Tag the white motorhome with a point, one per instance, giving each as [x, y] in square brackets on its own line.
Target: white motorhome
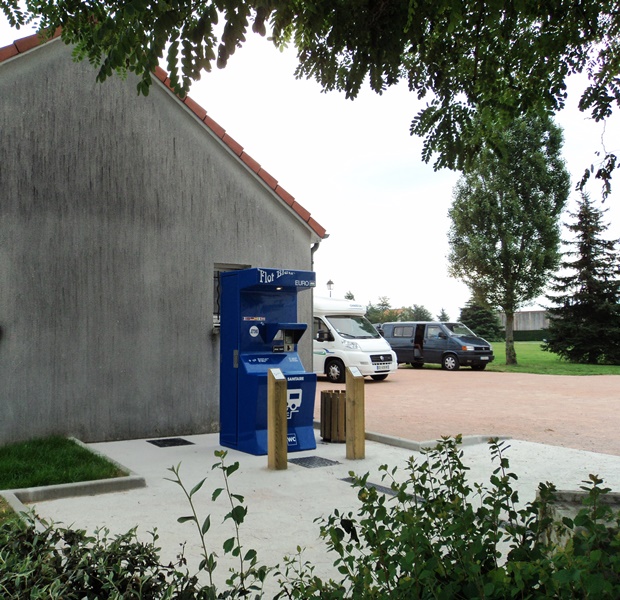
[344, 337]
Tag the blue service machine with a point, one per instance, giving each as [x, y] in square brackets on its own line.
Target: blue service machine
[258, 332]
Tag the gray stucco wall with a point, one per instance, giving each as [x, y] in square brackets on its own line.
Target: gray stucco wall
[114, 209]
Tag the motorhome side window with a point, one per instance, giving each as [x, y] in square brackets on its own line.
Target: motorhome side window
[402, 331]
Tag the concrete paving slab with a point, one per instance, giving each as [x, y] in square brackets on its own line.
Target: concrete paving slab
[283, 505]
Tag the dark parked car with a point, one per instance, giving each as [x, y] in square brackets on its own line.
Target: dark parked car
[451, 345]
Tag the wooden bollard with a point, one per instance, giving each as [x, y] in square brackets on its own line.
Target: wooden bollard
[277, 426]
[355, 418]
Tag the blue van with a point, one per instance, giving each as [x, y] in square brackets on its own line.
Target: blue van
[451, 345]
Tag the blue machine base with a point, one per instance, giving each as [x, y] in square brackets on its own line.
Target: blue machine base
[299, 440]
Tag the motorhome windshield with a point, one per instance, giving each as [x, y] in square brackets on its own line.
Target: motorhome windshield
[353, 327]
[459, 329]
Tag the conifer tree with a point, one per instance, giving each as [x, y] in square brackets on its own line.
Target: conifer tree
[443, 316]
[482, 320]
[584, 324]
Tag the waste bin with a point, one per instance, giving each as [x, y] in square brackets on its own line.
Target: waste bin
[333, 415]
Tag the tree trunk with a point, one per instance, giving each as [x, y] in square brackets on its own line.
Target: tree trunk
[511, 355]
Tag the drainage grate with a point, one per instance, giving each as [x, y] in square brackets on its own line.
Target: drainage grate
[380, 488]
[169, 442]
[311, 462]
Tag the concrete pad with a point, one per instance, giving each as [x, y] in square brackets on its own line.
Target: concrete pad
[282, 505]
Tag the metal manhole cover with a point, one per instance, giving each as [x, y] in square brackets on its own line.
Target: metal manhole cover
[311, 462]
[169, 442]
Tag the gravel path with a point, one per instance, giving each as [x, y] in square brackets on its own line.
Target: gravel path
[574, 412]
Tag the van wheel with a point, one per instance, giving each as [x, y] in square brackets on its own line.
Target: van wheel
[378, 377]
[417, 365]
[450, 362]
[334, 369]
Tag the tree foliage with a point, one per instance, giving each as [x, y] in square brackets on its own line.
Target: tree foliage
[382, 312]
[416, 312]
[505, 235]
[584, 324]
[13, 12]
[474, 62]
[443, 316]
[483, 320]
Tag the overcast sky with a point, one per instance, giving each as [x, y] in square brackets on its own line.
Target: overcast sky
[355, 167]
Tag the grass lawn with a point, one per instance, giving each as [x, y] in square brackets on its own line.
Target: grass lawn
[51, 461]
[532, 359]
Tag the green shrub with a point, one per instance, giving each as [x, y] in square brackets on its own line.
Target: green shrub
[440, 537]
[6, 512]
[41, 561]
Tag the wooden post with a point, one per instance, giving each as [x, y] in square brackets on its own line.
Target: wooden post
[277, 443]
[356, 420]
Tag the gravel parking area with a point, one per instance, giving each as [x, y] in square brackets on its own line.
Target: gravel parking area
[425, 404]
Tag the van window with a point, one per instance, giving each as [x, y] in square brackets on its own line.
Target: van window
[459, 329]
[350, 326]
[403, 331]
[433, 331]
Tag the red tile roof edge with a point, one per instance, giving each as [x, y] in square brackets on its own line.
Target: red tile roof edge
[24, 44]
[32, 41]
